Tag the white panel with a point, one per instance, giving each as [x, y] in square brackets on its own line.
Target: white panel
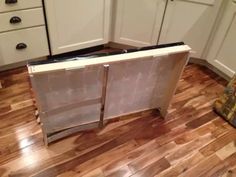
[60, 89]
[77, 24]
[138, 22]
[227, 53]
[35, 39]
[72, 118]
[29, 18]
[136, 81]
[190, 22]
[222, 52]
[21, 4]
[137, 85]
[107, 59]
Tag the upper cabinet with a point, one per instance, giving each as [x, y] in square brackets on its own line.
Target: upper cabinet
[190, 21]
[137, 22]
[77, 24]
[222, 52]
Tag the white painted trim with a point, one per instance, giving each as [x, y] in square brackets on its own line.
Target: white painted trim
[223, 68]
[107, 59]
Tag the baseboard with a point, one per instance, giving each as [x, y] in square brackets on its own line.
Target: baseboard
[119, 46]
[203, 62]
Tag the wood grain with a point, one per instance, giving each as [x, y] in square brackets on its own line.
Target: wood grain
[191, 141]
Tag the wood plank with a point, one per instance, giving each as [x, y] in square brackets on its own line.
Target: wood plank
[95, 173]
[153, 169]
[191, 135]
[227, 150]
[218, 143]
[202, 120]
[151, 157]
[117, 166]
[92, 151]
[182, 166]
[202, 167]
[188, 148]
[124, 171]
[79, 159]
[104, 158]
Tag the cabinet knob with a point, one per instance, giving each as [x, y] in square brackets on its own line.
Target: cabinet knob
[15, 19]
[10, 1]
[21, 46]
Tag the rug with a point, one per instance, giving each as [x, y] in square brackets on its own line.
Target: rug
[225, 105]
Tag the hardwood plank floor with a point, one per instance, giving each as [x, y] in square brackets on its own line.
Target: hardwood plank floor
[191, 141]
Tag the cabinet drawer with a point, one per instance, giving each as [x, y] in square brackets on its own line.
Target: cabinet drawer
[18, 4]
[31, 43]
[21, 19]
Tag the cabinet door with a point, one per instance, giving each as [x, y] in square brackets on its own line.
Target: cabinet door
[138, 22]
[190, 21]
[77, 24]
[222, 53]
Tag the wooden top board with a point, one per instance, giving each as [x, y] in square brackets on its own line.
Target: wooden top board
[76, 64]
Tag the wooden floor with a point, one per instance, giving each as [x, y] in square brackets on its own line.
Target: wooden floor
[192, 141]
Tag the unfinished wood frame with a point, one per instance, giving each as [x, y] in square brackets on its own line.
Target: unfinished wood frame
[76, 95]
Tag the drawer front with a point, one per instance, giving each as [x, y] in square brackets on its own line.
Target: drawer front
[20, 45]
[21, 19]
[11, 5]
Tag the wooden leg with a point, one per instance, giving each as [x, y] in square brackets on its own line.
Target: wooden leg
[45, 139]
[103, 99]
[163, 112]
[37, 116]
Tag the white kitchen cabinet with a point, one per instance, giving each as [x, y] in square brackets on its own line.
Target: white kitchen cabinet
[22, 31]
[190, 21]
[222, 53]
[19, 5]
[137, 22]
[23, 45]
[29, 18]
[77, 24]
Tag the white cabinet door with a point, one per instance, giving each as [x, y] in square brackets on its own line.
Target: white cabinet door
[77, 24]
[137, 22]
[222, 53]
[190, 21]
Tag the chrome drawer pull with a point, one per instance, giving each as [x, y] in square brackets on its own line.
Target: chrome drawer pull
[10, 1]
[15, 20]
[21, 46]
